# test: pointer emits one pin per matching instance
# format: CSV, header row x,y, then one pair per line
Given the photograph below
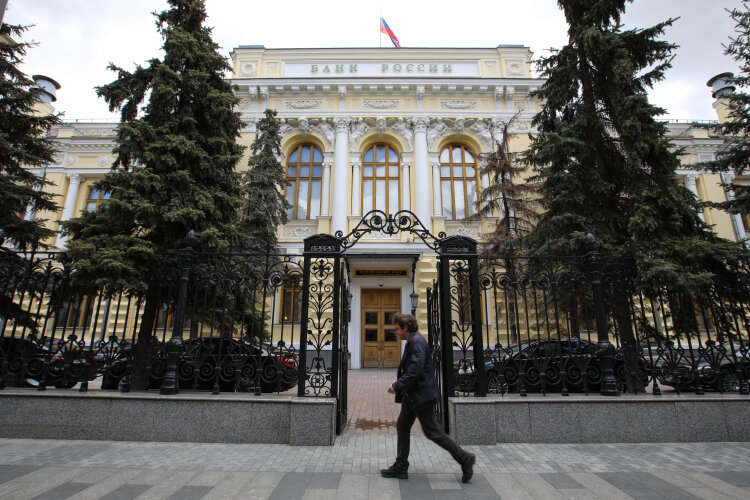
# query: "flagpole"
x,y
380,33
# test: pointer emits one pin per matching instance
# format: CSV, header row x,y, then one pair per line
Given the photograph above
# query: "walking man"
x,y
417,391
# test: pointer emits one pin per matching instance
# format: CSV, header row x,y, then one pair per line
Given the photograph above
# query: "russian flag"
x,y
385,29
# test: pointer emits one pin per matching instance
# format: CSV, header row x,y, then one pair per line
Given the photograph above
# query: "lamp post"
x,y
414,299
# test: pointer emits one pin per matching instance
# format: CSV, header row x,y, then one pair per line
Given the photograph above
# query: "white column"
x,y
340,167
421,172
690,184
405,188
325,195
437,206
739,226
356,186
69,207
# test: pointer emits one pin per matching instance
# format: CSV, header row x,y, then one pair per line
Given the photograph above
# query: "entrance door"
x,y
380,344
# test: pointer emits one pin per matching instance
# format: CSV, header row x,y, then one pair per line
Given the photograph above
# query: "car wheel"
x,y
730,382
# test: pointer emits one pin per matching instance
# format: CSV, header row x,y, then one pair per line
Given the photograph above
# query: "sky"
x,y
77,39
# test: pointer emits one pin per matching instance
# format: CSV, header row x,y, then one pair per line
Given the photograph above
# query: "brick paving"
x,y
371,410
57,469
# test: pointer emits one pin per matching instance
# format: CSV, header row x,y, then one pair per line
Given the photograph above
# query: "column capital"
x,y
75,178
341,124
420,124
690,179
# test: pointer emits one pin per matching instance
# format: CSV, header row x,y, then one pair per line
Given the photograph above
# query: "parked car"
x,y
61,364
543,362
234,365
714,366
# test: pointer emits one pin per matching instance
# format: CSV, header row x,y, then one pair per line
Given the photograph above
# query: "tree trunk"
x,y
139,376
630,352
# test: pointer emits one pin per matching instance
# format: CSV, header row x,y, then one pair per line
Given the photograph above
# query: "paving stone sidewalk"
x,y
55,469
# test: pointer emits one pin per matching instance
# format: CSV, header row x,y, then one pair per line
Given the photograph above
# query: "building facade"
x,y
368,128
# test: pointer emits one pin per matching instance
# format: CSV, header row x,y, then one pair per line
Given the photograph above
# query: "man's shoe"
x,y
394,471
467,467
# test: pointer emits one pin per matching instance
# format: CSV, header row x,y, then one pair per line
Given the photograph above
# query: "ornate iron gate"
x,y
455,323
454,311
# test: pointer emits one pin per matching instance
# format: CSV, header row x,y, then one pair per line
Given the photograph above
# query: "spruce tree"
x,y
605,163
174,170
24,144
265,207
735,155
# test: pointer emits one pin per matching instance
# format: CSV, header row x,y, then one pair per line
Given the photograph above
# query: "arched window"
x,y
380,179
458,181
304,171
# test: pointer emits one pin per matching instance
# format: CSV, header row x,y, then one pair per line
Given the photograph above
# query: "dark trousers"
x,y
431,429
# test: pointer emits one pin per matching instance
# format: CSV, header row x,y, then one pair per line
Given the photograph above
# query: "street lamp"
x,y
414,298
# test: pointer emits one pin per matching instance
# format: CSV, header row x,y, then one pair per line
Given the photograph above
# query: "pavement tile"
x,y
417,487
506,486
177,479
190,493
37,482
741,479
353,486
727,490
561,481
444,482
64,490
383,488
126,492
598,487
536,487
478,489
9,472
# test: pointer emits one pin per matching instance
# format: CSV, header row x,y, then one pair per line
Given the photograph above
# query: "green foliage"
x,y
24,144
176,154
604,162
265,206
735,156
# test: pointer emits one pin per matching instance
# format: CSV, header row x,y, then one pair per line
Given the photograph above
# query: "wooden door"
x,y
381,346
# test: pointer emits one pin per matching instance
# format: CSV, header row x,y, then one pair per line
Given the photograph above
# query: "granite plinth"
x,y
233,418
599,419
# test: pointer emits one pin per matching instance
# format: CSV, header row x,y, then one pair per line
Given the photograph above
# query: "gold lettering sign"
x,y
380,273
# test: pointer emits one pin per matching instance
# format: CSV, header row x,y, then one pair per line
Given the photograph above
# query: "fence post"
x,y
604,348
174,346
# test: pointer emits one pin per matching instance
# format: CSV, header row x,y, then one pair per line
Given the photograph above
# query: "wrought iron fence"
x,y
578,324
235,324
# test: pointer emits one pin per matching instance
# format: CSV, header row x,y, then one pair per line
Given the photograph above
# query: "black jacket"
x,y
416,375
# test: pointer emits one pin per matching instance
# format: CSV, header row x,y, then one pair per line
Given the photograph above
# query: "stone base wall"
x,y
597,419
233,418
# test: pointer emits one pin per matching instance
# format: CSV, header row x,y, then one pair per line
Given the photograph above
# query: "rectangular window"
x,y
291,302
96,198
77,313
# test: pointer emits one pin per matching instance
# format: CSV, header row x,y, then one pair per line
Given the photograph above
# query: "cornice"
x,y
309,86
380,52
